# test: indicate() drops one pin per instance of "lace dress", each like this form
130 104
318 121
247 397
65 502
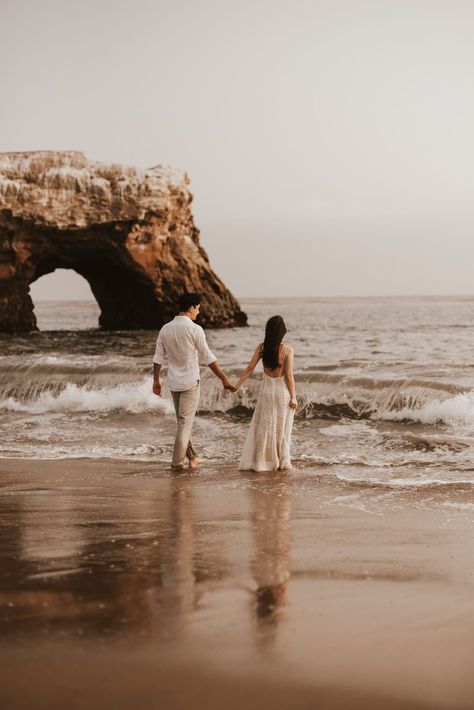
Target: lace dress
267 447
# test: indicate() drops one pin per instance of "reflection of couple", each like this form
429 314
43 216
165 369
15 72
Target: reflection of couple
190 564
183 343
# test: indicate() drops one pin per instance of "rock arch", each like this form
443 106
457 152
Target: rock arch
129 233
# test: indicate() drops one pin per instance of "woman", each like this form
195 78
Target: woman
267 447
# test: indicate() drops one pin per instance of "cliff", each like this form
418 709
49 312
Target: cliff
129 232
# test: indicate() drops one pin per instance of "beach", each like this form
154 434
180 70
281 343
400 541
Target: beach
240 233
346 582
126 584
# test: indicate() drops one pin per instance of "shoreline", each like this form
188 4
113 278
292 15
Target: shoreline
121 579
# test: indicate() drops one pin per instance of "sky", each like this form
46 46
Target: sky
329 143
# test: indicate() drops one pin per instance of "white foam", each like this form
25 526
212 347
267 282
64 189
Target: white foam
454 410
350 430
126 397
459 506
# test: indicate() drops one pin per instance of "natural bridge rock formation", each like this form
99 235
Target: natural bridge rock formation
129 232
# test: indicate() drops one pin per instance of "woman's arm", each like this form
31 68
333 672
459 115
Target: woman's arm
289 378
250 367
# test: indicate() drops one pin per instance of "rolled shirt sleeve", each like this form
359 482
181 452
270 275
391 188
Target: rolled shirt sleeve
159 355
206 356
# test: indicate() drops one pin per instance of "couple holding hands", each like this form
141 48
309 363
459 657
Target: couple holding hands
183 343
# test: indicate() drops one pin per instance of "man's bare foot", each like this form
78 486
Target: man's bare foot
194 463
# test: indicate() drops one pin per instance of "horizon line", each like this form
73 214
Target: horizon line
292 298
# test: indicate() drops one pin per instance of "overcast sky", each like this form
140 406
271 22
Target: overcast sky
329 143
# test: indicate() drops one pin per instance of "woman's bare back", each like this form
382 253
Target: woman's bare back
280 370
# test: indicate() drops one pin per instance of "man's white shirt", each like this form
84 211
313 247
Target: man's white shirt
183 342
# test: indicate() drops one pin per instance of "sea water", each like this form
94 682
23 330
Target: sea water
385 391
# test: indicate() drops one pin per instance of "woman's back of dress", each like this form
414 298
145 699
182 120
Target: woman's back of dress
279 371
267 447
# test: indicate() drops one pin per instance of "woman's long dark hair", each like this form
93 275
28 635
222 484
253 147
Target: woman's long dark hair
274 333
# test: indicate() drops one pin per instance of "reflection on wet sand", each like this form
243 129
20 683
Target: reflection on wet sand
83 562
177 595
270 564
150 574
107 564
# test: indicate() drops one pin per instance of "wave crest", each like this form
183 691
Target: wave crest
454 410
394 400
127 397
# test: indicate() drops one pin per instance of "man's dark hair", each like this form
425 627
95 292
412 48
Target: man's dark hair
186 300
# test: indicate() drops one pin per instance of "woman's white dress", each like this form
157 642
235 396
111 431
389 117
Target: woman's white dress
267 447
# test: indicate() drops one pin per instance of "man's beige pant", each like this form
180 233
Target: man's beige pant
185 404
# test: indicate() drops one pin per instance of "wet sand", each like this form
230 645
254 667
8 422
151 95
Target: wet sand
125 585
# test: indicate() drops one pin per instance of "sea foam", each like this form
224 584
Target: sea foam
453 410
127 397
335 401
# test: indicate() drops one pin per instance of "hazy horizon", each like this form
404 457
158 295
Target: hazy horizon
41 292
329 144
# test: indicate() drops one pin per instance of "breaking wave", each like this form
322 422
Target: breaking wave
127 397
454 410
54 387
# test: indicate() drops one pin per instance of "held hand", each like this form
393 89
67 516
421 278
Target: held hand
228 386
293 403
157 388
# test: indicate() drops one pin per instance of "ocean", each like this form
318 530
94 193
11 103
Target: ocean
385 390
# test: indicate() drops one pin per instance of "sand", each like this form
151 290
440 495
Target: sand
124 585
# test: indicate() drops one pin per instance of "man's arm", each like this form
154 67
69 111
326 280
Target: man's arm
214 366
158 358
208 358
156 379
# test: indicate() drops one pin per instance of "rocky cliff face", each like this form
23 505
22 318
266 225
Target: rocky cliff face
129 232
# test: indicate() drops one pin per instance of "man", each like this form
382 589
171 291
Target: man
183 341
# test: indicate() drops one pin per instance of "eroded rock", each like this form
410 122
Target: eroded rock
129 232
